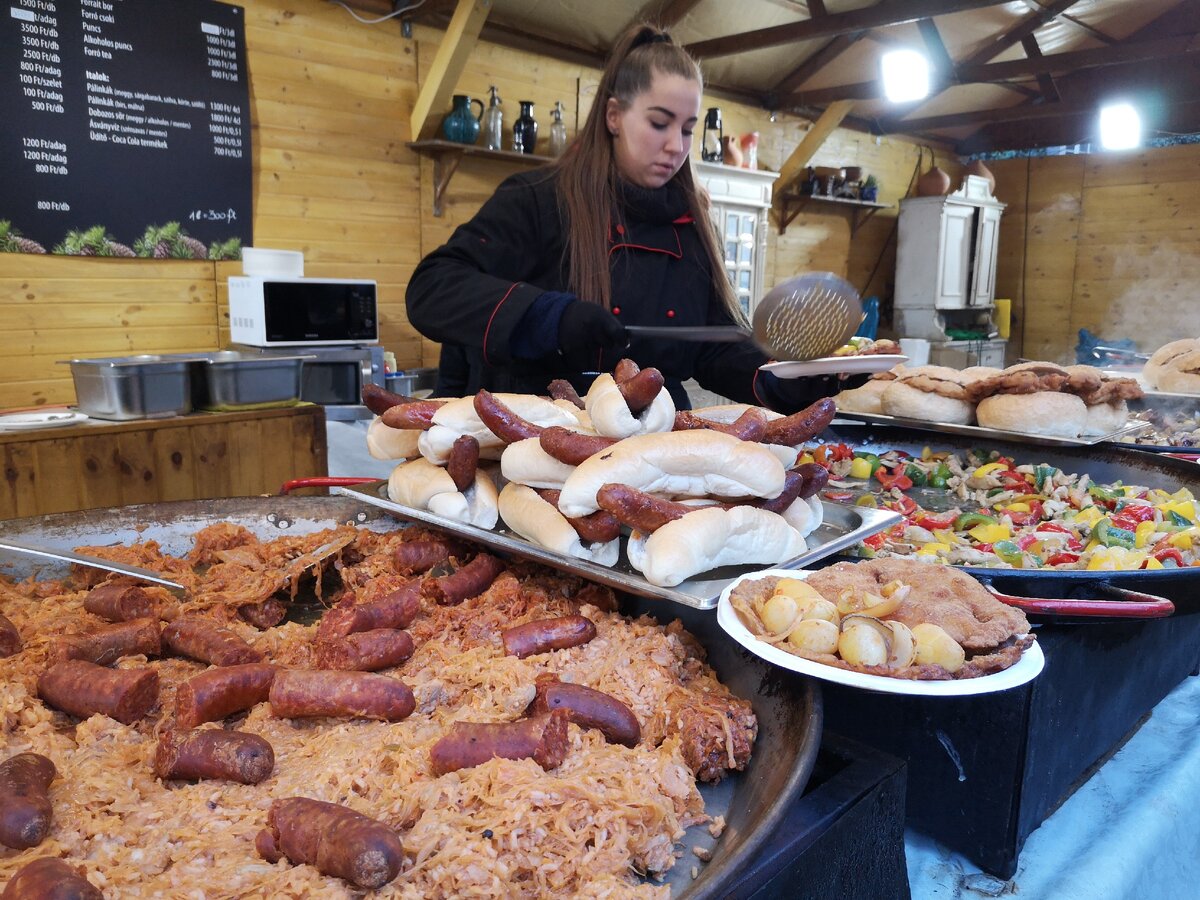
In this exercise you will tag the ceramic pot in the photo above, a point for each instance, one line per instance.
(934, 183)
(731, 153)
(853, 173)
(982, 171)
(461, 125)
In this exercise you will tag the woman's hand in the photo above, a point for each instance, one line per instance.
(585, 332)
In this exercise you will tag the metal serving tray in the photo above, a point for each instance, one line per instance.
(994, 433)
(120, 388)
(228, 378)
(844, 526)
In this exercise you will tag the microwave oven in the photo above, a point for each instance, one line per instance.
(334, 377)
(295, 312)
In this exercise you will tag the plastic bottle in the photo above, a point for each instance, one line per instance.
(558, 131)
(493, 122)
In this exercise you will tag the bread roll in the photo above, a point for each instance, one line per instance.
(865, 399)
(525, 462)
(1162, 357)
(458, 417)
(900, 399)
(391, 443)
(610, 415)
(422, 485)
(1181, 373)
(1105, 418)
(805, 516)
(1047, 413)
(530, 516)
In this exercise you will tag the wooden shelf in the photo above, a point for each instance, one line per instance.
(446, 156)
(792, 204)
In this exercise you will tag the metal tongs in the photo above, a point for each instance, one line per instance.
(93, 562)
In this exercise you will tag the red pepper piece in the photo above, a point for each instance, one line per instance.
(934, 522)
(1170, 553)
(1059, 559)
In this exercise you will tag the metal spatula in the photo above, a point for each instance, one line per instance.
(807, 317)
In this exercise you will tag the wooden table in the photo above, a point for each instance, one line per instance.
(99, 464)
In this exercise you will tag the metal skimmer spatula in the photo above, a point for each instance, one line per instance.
(807, 317)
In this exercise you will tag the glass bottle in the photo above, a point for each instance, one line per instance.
(558, 131)
(711, 146)
(525, 129)
(493, 122)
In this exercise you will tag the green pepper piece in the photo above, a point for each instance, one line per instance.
(874, 460)
(1103, 493)
(916, 474)
(867, 500)
(864, 552)
(1111, 536)
(1008, 552)
(937, 481)
(1043, 475)
(969, 520)
(1177, 519)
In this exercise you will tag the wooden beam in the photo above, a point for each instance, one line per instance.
(832, 25)
(1027, 26)
(448, 63)
(1094, 32)
(807, 148)
(939, 57)
(1045, 80)
(811, 66)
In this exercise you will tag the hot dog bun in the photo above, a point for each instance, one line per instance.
(805, 516)
(533, 518)
(728, 413)
(458, 417)
(676, 464)
(610, 415)
(713, 537)
(422, 485)
(525, 462)
(391, 443)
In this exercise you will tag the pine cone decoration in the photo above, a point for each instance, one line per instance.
(87, 251)
(197, 247)
(162, 250)
(116, 249)
(25, 245)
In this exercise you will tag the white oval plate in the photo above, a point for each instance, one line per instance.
(831, 365)
(28, 421)
(1024, 670)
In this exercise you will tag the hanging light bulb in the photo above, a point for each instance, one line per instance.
(1120, 127)
(905, 75)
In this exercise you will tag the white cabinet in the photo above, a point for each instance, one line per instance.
(741, 199)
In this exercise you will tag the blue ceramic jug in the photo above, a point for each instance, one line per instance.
(461, 125)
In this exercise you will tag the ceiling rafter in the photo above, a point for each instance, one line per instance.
(1027, 26)
(1045, 79)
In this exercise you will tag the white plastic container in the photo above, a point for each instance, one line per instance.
(272, 263)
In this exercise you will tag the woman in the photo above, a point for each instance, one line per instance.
(541, 283)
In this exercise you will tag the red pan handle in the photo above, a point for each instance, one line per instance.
(323, 481)
(1190, 457)
(1124, 605)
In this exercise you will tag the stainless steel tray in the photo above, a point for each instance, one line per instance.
(980, 431)
(120, 388)
(844, 527)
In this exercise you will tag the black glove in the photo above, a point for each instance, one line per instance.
(585, 332)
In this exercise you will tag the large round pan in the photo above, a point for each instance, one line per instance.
(1103, 463)
(788, 706)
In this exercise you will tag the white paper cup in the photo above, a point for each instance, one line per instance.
(917, 351)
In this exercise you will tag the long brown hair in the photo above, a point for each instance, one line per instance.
(587, 172)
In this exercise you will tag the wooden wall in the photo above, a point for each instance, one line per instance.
(1109, 242)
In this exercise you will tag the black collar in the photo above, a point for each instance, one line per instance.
(655, 206)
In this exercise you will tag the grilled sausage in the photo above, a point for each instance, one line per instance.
(10, 638)
(119, 602)
(395, 610)
(588, 708)
(335, 839)
(462, 584)
(199, 638)
(109, 643)
(640, 510)
(264, 614)
(571, 447)
(544, 635)
(600, 527)
(416, 415)
(413, 557)
(379, 400)
(640, 390)
(793, 484)
(749, 426)
(25, 810)
(304, 693)
(213, 753)
(800, 427)
(221, 692)
(624, 370)
(83, 689)
(815, 477)
(49, 878)
(464, 459)
(502, 421)
(366, 651)
(467, 744)
(561, 389)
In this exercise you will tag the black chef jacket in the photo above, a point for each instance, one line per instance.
(474, 290)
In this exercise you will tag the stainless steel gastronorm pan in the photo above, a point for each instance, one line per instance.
(132, 387)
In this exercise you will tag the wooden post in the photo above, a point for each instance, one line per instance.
(807, 148)
(448, 64)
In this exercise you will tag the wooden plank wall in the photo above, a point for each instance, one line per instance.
(1111, 243)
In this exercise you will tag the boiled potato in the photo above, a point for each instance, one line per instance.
(862, 645)
(814, 636)
(904, 648)
(801, 590)
(779, 613)
(823, 609)
(936, 648)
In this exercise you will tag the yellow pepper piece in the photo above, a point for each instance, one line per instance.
(1089, 516)
(945, 535)
(1181, 539)
(1101, 560)
(926, 453)
(860, 468)
(987, 533)
(1153, 563)
(1185, 508)
(933, 548)
(988, 469)
(1182, 494)
(1017, 507)
(1092, 544)
(1145, 530)
(805, 458)
(1157, 495)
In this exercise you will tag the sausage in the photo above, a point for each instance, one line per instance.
(502, 421)
(119, 602)
(415, 415)
(203, 639)
(793, 483)
(600, 527)
(561, 389)
(598, 595)
(421, 556)
(467, 744)
(264, 614)
(213, 753)
(379, 400)
(799, 427)
(571, 447)
(221, 692)
(816, 476)
(749, 426)
(624, 370)
(396, 610)
(464, 459)
(10, 638)
(640, 390)
(366, 651)
(25, 810)
(302, 693)
(640, 510)
(544, 635)
(83, 689)
(335, 839)
(588, 708)
(49, 878)
(109, 643)
(464, 583)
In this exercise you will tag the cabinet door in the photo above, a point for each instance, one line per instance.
(740, 240)
(987, 238)
(954, 256)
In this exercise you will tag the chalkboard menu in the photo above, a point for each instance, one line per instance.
(126, 128)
